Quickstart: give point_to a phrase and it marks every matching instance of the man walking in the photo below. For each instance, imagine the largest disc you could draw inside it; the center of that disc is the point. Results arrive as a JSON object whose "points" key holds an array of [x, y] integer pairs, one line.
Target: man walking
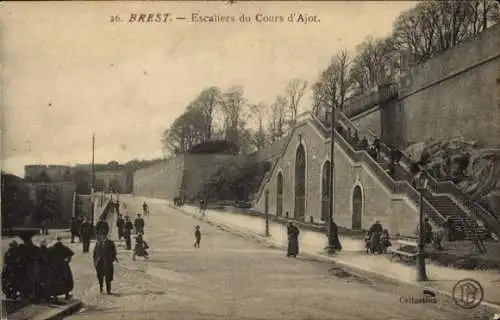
{"points": [[104, 257], [139, 225], [102, 227], [119, 226], [75, 228], [127, 232], [86, 234]]}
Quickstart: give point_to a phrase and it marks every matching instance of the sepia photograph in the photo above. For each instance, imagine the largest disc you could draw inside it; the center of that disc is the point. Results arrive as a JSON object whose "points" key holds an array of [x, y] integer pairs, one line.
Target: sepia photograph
{"points": [[253, 160]]}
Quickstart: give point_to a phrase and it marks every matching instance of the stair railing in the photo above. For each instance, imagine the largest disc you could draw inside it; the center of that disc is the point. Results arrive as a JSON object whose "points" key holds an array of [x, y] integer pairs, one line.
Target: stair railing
{"points": [[448, 187], [398, 187], [477, 211], [280, 155]]}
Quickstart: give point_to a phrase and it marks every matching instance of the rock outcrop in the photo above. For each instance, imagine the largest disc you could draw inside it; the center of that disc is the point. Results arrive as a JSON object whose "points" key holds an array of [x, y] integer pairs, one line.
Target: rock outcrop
{"points": [[474, 169]]}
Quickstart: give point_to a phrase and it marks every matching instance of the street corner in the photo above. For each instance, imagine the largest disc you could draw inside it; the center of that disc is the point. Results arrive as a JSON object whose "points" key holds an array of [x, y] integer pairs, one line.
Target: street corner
{"points": [[47, 311]]}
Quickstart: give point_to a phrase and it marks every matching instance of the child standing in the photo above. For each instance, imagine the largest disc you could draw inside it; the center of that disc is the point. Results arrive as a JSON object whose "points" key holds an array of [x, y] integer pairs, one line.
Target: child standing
{"points": [[197, 236], [140, 248], [385, 239]]}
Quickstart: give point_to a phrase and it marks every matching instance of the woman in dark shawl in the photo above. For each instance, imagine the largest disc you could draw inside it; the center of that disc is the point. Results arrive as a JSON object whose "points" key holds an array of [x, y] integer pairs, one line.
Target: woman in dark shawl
{"points": [[60, 256], [293, 240]]}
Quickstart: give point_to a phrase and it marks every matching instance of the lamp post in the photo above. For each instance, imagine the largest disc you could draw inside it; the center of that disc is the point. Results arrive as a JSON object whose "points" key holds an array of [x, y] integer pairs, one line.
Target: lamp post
{"points": [[266, 212], [421, 184], [93, 179], [330, 249]]}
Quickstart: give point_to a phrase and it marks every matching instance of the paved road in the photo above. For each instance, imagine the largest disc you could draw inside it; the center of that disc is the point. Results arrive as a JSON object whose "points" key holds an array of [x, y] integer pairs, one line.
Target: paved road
{"points": [[233, 278]]}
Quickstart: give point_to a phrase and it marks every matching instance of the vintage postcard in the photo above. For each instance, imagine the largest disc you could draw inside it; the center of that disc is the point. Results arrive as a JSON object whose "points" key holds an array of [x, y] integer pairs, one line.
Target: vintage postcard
{"points": [[250, 160]]}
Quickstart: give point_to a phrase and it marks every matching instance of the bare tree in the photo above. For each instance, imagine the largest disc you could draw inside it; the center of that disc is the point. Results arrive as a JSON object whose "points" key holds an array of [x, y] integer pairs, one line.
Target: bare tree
{"points": [[258, 112], [233, 107], [481, 14], [279, 117], [294, 92], [376, 63], [334, 83], [207, 101]]}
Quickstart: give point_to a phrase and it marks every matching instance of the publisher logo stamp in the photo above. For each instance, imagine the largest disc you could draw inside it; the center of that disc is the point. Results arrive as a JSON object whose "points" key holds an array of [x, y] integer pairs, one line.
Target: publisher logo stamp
{"points": [[468, 293]]}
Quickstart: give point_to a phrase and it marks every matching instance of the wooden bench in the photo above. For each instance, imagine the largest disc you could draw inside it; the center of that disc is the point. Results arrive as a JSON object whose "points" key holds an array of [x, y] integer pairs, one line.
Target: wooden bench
{"points": [[407, 250]]}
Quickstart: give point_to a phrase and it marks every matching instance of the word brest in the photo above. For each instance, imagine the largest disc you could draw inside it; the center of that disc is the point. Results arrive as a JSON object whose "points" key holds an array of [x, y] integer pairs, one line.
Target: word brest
{"points": [[202, 18]]}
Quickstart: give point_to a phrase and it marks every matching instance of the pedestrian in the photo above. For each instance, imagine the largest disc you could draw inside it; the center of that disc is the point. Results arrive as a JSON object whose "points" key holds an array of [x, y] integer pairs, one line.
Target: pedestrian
{"points": [[60, 256], [119, 226], [293, 240], [449, 229], [30, 271], [139, 224], [428, 232], [102, 227], [140, 248], [372, 240], [376, 145], [80, 222], [385, 239], [127, 232], [335, 236], [202, 207], [74, 229], [363, 144], [197, 237], [86, 233], [10, 273], [104, 256], [355, 140], [145, 208], [45, 226]]}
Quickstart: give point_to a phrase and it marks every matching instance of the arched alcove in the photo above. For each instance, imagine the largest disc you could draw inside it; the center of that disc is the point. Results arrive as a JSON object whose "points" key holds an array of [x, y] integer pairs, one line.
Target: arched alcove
{"points": [[300, 182], [357, 208]]}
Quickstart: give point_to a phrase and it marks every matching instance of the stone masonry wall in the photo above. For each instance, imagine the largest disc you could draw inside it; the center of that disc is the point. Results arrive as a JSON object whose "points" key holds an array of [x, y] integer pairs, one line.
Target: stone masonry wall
{"points": [[463, 104], [184, 174], [453, 94], [161, 180], [396, 213]]}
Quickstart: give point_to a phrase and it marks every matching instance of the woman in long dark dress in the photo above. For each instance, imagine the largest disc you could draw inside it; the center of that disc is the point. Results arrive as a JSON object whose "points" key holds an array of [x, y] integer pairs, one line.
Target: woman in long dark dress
{"points": [[63, 277], [10, 277], [293, 240], [335, 236]]}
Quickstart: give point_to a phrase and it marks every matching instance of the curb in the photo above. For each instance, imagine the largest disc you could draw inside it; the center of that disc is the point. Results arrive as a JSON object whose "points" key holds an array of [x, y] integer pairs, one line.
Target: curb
{"points": [[355, 270], [53, 313]]}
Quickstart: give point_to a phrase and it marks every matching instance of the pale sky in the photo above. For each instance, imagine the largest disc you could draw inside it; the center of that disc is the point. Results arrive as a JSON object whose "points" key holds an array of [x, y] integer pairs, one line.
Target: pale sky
{"points": [[67, 71]]}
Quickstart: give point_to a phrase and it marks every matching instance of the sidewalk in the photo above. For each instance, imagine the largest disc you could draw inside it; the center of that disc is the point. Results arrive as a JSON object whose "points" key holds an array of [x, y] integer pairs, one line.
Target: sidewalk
{"points": [[45, 311], [353, 256]]}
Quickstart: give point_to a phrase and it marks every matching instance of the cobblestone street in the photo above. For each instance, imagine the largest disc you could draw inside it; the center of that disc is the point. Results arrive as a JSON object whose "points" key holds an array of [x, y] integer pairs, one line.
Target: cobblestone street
{"points": [[233, 278]]}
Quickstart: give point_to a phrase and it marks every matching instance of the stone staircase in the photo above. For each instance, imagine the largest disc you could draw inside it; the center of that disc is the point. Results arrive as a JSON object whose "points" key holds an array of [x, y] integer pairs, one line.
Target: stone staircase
{"points": [[464, 225], [402, 187], [463, 222]]}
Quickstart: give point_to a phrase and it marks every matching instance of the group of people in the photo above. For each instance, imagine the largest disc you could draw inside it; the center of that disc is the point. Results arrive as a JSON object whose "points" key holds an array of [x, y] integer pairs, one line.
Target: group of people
{"points": [[105, 253], [82, 228], [37, 272], [360, 144], [293, 239], [125, 227], [377, 239]]}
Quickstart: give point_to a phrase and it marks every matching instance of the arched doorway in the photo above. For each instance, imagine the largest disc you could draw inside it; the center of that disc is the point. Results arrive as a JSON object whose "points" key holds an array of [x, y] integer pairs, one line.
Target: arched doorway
{"points": [[325, 191], [357, 208], [279, 195], [300, 183]]}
